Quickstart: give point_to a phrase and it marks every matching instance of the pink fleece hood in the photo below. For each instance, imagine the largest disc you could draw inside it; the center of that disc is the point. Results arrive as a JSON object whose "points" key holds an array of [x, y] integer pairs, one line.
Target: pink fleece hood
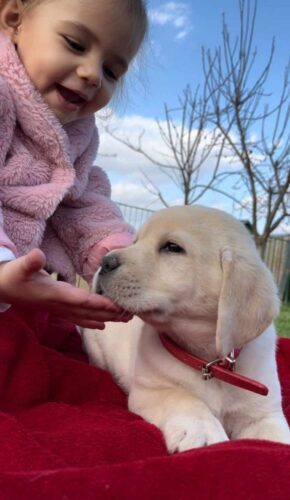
{"points": [[51, 195]]}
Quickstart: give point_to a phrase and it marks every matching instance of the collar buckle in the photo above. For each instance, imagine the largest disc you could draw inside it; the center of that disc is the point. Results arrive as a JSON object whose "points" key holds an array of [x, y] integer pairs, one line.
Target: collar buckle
{"points": [[231, 359], [228, 363], [222, 369], [206, 369]]}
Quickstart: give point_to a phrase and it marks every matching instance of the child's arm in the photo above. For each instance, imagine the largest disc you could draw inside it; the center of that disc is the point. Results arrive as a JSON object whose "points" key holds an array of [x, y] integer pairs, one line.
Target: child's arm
{"points": [[91, 225], [7, 120], [24, 282]]}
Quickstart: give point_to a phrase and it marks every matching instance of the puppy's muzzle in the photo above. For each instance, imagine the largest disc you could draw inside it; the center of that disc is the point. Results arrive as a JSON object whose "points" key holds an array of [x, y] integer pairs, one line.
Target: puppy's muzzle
{"points": [[109, 263]]}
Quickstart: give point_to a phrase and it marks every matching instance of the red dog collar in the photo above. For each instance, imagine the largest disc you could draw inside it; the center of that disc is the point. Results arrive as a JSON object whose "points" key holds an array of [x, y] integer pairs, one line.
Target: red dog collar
{"points": [[221, 369]]}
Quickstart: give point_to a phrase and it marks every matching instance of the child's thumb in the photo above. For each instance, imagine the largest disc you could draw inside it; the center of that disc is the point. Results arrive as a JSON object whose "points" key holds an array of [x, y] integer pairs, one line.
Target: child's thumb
{"points": [[33, 262]]}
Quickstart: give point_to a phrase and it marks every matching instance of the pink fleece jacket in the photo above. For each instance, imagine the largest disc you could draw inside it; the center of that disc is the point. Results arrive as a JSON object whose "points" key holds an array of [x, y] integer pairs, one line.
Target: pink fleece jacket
{"points": [[51, 195]]}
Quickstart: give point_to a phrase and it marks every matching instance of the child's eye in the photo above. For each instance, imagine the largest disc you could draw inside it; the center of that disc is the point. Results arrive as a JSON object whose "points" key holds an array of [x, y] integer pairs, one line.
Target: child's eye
{"points": [[110, 73], [73, 44]]}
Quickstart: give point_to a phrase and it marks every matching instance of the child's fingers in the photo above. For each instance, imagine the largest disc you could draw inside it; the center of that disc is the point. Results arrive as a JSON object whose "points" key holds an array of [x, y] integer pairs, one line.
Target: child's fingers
{"points": [[94, 301], [124, 317], [82, 299], [87, 323], [102, 303], [31, 263], [79, 314]]}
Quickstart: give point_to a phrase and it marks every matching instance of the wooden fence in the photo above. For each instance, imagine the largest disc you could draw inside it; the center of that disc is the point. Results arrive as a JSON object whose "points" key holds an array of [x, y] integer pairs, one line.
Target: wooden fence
{"points": [[277, 258], [135, 216]]}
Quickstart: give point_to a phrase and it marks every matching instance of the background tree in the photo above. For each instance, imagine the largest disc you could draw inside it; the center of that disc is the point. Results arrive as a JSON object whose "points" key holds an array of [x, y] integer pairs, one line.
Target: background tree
{"points": [[255, 136], [230, 119], [189, 146]]}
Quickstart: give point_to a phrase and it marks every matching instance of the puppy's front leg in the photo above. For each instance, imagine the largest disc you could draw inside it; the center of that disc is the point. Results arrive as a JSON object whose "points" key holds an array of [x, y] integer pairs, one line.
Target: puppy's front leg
{"points": [[272, 427], [185, 421]]}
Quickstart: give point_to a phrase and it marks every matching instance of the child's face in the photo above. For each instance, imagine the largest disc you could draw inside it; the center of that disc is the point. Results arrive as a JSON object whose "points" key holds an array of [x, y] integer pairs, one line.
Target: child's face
{"points": [[75, 51]]}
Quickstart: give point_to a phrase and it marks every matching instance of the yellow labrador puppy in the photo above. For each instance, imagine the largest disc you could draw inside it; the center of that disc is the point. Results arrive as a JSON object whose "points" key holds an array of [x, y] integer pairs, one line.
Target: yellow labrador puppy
{"points": [[194, 274]]}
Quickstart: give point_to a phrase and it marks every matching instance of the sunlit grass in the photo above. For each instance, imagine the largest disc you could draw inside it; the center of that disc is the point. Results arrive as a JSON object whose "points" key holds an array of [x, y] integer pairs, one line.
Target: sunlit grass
{"points": [[283, 321]]}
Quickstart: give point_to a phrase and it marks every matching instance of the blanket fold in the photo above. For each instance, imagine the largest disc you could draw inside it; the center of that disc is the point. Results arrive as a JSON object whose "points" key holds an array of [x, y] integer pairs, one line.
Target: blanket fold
{"points": [[65, 431]]}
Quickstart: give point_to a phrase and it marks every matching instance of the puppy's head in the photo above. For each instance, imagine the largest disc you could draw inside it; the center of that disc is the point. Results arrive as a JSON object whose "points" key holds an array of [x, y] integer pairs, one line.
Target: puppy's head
{"points": [[193, 264]]}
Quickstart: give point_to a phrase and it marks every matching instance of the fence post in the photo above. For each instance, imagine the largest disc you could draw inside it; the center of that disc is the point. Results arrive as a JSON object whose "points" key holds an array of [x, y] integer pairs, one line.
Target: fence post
{"points": [[285, 281]]}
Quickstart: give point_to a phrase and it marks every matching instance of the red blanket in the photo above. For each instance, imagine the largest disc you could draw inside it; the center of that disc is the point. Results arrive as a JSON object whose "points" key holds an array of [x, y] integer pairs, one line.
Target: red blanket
{"points": [[65, 432]]}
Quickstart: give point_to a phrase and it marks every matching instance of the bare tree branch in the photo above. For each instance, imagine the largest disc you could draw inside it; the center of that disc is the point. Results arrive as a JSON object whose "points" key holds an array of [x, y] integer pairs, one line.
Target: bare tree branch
{"points": [[228, 119], [240, 113]]}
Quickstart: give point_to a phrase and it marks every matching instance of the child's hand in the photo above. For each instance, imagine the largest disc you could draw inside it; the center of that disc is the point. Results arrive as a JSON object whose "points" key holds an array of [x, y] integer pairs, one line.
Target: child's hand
{"points": [[23, 281]]}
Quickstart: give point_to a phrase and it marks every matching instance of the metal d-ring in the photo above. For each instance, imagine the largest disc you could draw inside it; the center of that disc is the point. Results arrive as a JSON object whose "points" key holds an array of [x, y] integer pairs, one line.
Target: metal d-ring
{"points": [[206, 369], [231, 359]]}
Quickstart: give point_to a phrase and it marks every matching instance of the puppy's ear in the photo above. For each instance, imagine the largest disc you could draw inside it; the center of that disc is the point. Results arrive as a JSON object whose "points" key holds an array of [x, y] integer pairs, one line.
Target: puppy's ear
{"points": [[248, 300]]}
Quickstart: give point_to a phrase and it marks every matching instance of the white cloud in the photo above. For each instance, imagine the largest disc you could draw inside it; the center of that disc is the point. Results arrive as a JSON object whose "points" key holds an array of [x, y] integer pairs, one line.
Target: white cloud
{"points": [[284, 228], [125, 167], [174, 14], [133, 194], [161, 18], [181, 35], [224, 206], [180, 22], [118, 157]]}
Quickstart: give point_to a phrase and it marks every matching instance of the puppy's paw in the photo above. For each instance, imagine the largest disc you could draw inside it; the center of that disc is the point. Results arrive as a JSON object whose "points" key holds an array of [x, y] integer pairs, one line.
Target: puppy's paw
{"points": [[184, 432], [271, 429]]}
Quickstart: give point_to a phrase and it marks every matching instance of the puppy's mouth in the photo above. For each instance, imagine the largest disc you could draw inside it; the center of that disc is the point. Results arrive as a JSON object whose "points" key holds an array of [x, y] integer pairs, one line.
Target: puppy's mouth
{"points": [[99, 289], [133, 305], [134, 309], [153, 316]]}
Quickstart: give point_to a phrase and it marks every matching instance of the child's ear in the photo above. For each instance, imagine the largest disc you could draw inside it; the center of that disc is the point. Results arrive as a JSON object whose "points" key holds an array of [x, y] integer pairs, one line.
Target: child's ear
{"points": [[10, 17]]}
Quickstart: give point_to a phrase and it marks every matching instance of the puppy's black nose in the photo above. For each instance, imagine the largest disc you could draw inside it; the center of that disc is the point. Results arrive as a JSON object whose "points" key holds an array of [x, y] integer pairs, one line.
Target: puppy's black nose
{"points": [[109, 263]]}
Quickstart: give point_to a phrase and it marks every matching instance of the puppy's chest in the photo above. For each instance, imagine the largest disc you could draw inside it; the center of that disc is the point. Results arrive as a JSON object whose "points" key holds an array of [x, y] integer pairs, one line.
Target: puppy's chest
{"points": [[217, 395], [156, 367]]}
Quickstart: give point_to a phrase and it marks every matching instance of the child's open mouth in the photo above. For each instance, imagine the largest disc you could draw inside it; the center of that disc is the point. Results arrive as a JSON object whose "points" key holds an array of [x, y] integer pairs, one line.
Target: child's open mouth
{"points": [[69, 96]]}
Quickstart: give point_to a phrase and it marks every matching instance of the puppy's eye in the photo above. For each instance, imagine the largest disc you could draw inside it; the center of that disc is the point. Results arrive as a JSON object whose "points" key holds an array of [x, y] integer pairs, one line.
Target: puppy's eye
{"points": [[170, 247]]}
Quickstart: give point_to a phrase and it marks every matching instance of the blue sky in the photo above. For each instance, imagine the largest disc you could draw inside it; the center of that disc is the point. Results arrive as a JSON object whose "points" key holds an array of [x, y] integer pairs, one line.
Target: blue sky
{"points": [[178, 60], [171, 59]]}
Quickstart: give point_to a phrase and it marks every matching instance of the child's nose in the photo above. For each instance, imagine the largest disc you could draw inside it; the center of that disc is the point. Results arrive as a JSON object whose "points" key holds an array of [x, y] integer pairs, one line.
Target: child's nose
{"points": [[92, 71]]}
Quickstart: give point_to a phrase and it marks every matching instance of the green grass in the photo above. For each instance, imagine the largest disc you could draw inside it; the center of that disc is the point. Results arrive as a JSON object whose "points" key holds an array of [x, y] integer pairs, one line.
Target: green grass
{"points": [[283, 321]]}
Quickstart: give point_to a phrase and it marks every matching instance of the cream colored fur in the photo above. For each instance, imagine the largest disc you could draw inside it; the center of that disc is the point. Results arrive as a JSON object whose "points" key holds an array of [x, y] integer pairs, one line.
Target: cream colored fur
{"points": [[215, 295]]}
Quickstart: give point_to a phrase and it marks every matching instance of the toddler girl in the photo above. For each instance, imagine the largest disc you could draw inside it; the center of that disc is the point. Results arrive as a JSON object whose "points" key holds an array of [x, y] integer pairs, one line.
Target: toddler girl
{"points": [[60, 62]]}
